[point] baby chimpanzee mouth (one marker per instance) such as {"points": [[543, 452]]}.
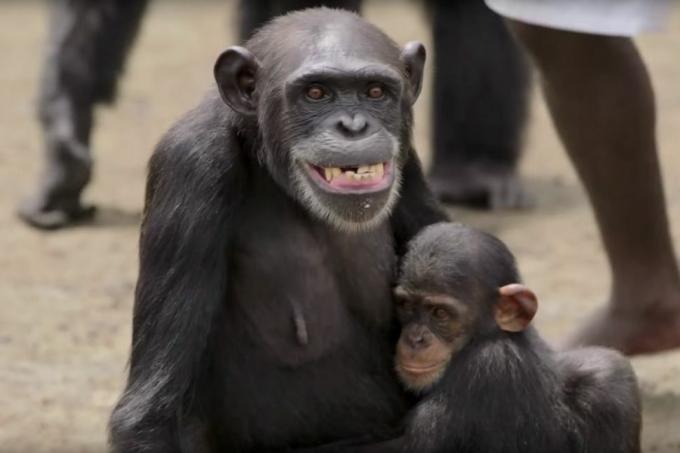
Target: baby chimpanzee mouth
{"points": [[353, 178], [421, 369]]}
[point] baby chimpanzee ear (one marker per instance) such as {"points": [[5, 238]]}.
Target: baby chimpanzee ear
{"points": [[516, 307]]}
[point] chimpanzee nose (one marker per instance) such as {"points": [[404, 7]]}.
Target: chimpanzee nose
{"points": [[419, 339], [352, 125]]}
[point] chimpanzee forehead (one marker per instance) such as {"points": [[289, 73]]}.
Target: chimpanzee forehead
{"points": [[341, 68], [438, 298], [348, 42], [321, 37], [326, 57], [352, 40]]}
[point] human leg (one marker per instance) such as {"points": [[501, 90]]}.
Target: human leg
{"points": [[601, 100]]}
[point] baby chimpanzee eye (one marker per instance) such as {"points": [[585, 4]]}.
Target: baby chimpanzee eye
{"points": [[406, 306], [442, 314]]}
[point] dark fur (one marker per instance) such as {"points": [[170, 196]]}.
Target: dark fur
{"points": [[508, 392], [228, 259]]}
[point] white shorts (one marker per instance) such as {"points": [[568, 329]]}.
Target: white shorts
{"points": [[600, 17]]}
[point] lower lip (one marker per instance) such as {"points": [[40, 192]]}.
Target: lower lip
{"points": [[421, 370], [353, 187]]}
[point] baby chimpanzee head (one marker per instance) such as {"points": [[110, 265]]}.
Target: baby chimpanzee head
{"points": [[456, 283]]}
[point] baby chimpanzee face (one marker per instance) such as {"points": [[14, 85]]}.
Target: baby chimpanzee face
{"points": [[455, 283], [434, 328]]}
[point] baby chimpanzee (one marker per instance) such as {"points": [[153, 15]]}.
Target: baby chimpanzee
{"points": [[488, 382]]}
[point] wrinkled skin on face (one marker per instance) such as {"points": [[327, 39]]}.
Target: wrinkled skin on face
{"points": [[340, 95]]}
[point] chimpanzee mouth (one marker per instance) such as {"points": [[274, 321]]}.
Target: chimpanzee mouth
{"points": [[420, 369], [353, 179]]}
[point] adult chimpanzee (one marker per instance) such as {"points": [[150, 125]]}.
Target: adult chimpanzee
{"points": [[475, 147], [263, 314], [490, 383]]}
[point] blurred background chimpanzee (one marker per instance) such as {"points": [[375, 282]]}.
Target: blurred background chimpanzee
{"points": [[480, 84]]}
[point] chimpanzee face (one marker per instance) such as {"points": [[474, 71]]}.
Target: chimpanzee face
{"points": [[346, 160], [332, 105], [434, 328]]}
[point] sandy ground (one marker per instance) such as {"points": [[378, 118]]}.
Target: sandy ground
{"points": [[66, 297]]}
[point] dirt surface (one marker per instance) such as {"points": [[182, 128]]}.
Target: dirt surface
{"points": [[66, 297]]}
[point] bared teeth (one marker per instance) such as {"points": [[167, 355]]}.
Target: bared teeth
{"points": [[363, 173], [379, 170]]}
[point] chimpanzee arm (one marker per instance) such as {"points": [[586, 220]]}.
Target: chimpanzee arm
{"points": [[192, 192], [417, 206]]}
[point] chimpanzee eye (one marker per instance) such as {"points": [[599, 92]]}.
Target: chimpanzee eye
{"points": [[316, 92], [441, 314], [375, 91]]}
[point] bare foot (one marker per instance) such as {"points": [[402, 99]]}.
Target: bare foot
{"points": [[480, 188], [631, 333]]}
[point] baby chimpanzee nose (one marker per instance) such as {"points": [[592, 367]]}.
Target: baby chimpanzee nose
{"points": [[419, 338]]}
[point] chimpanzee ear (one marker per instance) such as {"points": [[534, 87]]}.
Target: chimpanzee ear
{"points": [[516, 307], [235, 72], [413, 55]]}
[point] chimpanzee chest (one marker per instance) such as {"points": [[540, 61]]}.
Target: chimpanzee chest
{"points": [[305, 352], [302, 291]]}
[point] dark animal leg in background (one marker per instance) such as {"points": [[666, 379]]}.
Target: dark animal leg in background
{"points": [[479, 106], [254, 14], [88, 44]]}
